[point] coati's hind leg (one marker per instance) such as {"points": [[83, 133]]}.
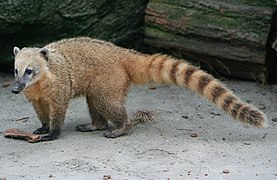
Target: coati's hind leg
{"points": [[116, 113], [42, 110], [98, 121], [109, 93]]}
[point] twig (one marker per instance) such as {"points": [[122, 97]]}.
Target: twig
{"points": [[6, 84], [224, 66], [183, 129], [23, 119], [263, 137]]}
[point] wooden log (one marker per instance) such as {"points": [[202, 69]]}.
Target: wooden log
{"points": [[229, 36]]}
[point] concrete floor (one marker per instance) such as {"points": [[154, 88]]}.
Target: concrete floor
{"points": [[164, 150]]}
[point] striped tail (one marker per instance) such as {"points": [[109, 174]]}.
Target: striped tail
{"points": [[163, 69]]}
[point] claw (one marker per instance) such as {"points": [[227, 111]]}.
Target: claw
{"points": [[47, 138], [42, 130], [52, 135]]}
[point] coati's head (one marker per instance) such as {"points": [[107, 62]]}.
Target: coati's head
{"points": [[29, 65]]}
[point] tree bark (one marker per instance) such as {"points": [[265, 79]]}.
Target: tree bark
{"points": [[227, 36]]}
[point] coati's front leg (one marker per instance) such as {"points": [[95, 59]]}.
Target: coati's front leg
{"points": [[42, 110], [56, 117], [98, 121]]}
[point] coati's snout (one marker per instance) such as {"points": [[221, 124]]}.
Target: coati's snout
{"points": [[18, 86], [22, 82]]}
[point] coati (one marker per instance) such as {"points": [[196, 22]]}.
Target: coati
{"points": [[103, 72]]}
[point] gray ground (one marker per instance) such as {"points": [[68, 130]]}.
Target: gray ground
{"points": [[151, 151]]}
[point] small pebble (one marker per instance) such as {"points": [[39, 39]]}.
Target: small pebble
{"points": [[274, 119], [226, 171], [262, 106], [193, 135], [107, 177]]}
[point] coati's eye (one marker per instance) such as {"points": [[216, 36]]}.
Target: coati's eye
{"points": [[28, 71], [15, 72]]}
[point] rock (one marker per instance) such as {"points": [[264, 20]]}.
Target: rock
{"points": [[33, 23]]}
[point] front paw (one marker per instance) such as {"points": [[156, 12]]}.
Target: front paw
{"points": [[47, 138], [50, 136], [42, 130]]}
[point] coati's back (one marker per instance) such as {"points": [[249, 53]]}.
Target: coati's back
{"points": [[86, 52]]}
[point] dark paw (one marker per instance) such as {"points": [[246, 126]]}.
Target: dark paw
{"points": [[83, 128], [42, 130], [51, 136], [47, 138], [88, 128], [113, 134]]}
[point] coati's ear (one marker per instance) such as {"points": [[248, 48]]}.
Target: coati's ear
{"points": [[44, 52], [16, 50]]}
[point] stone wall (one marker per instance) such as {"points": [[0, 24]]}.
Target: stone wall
{"points": [[35, 23]]}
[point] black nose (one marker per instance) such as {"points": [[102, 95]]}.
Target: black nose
{"points": [[18, 86], [15, 91]]}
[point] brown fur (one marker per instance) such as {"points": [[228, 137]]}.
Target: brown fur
{"points": [[103, 73]]}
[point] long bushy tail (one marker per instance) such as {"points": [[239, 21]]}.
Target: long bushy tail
{"points": [[164, 69]]}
